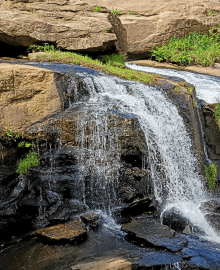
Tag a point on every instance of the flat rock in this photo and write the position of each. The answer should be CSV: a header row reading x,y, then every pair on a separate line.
x,y
151,231
156,259
108,264
91,219
69,231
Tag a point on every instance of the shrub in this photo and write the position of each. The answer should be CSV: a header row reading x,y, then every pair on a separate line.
x,y
25,164
211,174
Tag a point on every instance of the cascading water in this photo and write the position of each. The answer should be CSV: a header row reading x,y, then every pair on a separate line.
x,y
171,161
170,158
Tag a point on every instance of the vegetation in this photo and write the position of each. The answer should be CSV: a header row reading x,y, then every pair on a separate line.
x,y
217,113
97,8
196,48
41,48
25,164
211,174
115,11
212,13
132,12
111,64
190,89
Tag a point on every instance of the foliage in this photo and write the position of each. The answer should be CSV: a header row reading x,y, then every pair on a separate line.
x,y
97,9
196,48
217,113
211,174
24,144
117,60
190,89
177,88
41,48
212,13
132,12
13,136
25,164
115,11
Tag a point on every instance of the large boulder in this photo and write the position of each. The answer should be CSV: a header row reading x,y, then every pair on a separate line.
x,y
70,26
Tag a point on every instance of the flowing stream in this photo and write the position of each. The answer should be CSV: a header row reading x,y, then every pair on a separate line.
x,y
171,162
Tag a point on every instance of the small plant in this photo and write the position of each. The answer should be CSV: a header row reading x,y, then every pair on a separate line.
x,y
190,89
131,12
25,164
106,31
115,11
217,113
32,10
211,174
177,88
41,48
24,144
194,104
117,60
212,13
97,8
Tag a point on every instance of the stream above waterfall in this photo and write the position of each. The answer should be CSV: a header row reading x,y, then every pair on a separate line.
x,y
95,158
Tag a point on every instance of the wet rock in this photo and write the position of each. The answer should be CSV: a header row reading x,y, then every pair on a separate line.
x,y
156,260
175,220
212,206
91,219
72,231
152,232
108,264
214,221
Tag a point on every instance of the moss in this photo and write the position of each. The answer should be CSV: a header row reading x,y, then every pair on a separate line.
x,y
211,174
25,164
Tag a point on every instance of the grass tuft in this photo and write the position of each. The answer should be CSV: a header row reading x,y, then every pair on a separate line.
x,y
25,164
211,174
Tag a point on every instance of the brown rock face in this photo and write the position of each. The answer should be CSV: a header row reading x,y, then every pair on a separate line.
x,y
153,23
27,94
68,231
69,26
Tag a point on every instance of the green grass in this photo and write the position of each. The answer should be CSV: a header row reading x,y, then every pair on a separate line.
x,y
212,13
25,164
97,8
196,48
115,11
211,174
112,64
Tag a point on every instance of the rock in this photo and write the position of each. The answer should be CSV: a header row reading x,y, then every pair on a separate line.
x,y
91,219
156,260
214,221
154,23
70,231
69,26
108,264
211,206
28,94
175,220
152,232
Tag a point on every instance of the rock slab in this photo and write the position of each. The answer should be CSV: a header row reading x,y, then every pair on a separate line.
x,y
154,233
69,231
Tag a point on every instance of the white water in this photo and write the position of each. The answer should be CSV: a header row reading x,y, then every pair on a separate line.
x,y
207,87
170,159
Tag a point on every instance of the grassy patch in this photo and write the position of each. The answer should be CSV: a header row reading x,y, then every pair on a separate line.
x,y
196,48
25,164
211,174
115,11
111,64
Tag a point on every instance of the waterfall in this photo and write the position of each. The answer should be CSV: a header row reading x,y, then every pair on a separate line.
x,y
170,159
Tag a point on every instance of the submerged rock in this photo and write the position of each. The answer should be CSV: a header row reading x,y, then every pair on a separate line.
x,y
152,232
71,231
91,219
